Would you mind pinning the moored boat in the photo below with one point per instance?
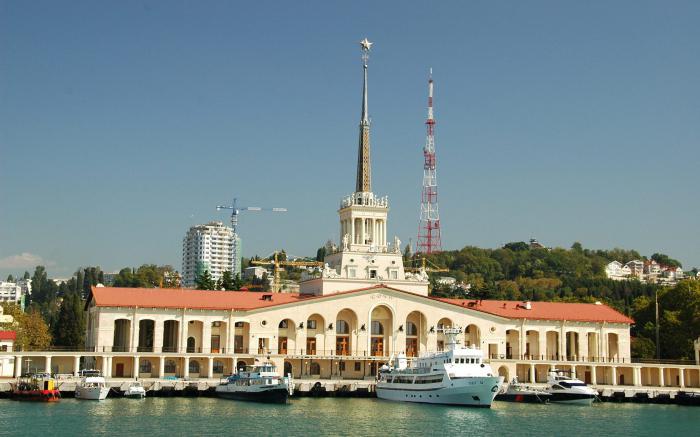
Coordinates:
(39, 388)
(257, 383)
(135, 391)
(518, 392)
(92, 386)
(457, 376)
(565, 388)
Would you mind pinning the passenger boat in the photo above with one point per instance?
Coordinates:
(257, 383)
(457, 376)
(135, 391)
(92, 386)
(517, 392)
(39, 388)
(565, 388)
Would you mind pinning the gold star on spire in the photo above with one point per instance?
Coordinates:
(366, 45)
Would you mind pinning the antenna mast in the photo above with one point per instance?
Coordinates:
(429, 226)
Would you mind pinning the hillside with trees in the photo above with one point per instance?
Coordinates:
(518, 271)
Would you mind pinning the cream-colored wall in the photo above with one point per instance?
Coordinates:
(264, 323)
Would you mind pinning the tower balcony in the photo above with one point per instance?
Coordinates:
(365, 199)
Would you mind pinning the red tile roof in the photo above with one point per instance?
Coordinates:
(576, 312)
(248, 300)
(8, 335)
(186, 298)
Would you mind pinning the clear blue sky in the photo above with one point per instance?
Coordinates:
(124, 123)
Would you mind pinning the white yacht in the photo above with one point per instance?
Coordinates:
(92, 386)
(457, 376)
(564, 388)
(257, 383)
(135, 391)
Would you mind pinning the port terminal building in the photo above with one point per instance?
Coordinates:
(360, 310)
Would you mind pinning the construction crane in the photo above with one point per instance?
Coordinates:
(236, 251)
(433, 269)
(278, 266)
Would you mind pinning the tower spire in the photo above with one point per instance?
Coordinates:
(429, 240)
(364, 167)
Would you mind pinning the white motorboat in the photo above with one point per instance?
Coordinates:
(257, 383)
(135, 391)
(564, 388)
(92, 386)
(457, 376)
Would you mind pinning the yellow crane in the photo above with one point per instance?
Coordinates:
(278, 266)
(433, 268)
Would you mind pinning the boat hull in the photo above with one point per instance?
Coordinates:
(472, 392)
(91, 393)
(135, 395)
(573, 398)
(274, 396)
(37, 395)
(525, 398)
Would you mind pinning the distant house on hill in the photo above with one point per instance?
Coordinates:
(617, 271)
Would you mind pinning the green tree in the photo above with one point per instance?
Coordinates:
(237, 282)
(69, 330)
(26, 275)
(321, 253)
(665, 260)
(205, 281)
(10, 278)
(226, 282)
(32, 331)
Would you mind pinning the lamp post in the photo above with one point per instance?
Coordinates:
(656, 305)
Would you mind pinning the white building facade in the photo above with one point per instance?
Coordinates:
(206, 247)
(15, 292)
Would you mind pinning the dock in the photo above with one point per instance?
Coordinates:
(315, 387)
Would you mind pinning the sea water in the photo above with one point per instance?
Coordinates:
(339, 416)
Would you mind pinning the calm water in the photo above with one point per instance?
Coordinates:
(327, 416)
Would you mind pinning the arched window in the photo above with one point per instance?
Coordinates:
(342, 327)
(169, 366)
(377, 328)
(241, 365)
(411, 328)
(314, 369)
(218, 366)
(283, 324)
(145, 366)
(287, 367)
(194, 366)
(190, 344)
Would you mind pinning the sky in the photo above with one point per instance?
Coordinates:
(124, 123)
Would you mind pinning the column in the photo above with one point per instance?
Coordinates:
(181, 343)
(105, 363)
(158, 336)
(210, 372)
(108, 373)
(206, 337)
(661, 377)
(533, 373)
(637, 376)
(594, 379)
(613, 370)
(135, 368)
(230, 331)
(18, 367)
(583, 346)
(186, 370)
(681, 377)
(542, 340)
(47, 368)
(76, 365)
(573, 371)
(134, 333)
(161, 368)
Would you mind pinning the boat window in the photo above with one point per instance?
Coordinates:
(557, 387)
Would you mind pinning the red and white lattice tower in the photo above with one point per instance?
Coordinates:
(429, 226)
